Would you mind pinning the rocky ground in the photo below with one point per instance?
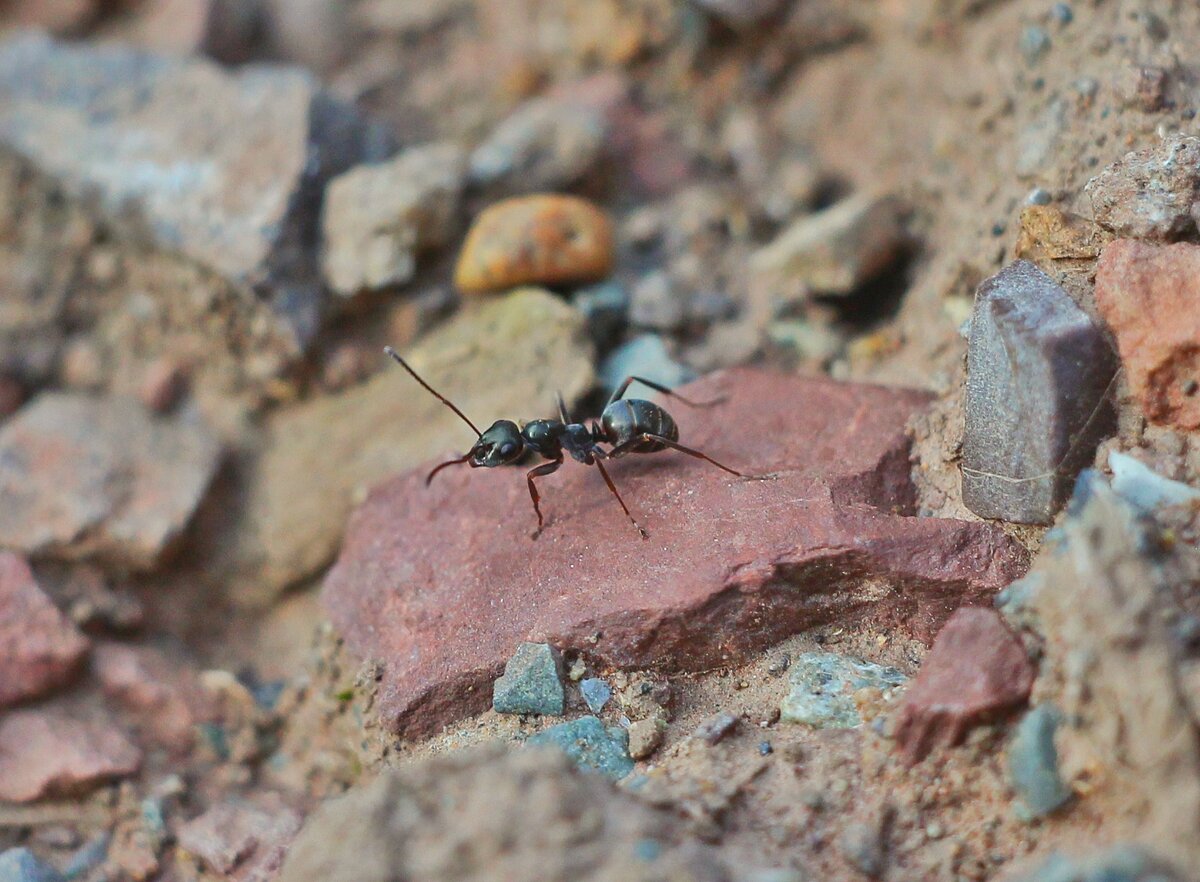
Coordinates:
(932, 265)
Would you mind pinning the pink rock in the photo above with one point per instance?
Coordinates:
(1148, 295)
(162, 384)
(241, 841)
(39, 649)
(441, 583)
(48, 752)
(166, 698)
(976, 671)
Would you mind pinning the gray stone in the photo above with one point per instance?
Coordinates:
(545, 144)
(596, 693)
(1152, 193)
(379, 218)
(1144, 488)
(1119, 863)
(1033, 763)
(224, 168)
(21, 865)
(644, 356)
(590, 745)
(823, 686)
(531, 683)
(104, 478)
(656, 304)
(1038, 373)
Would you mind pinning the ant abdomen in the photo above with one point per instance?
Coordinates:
(624, 420)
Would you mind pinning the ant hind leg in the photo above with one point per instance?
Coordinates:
(659, 387)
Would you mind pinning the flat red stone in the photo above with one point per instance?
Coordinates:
(440, 584)
(976, 671)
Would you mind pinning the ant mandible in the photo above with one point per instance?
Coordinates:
(627, 425)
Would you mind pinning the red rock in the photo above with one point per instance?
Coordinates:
(441, 583)
(166, 698)
(39, 649)
(47, 752)
(241, 841)
(977, 671)
(1149, 296)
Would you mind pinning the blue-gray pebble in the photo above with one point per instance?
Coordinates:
(1033, 763)
(590, 745)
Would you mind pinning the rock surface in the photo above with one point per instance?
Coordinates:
(39, 649)
(590, 745)
(88, 477)
(378, 219)
(240, 841)
(1038, 373)
(1152, 193)
(504, 357)
(976, 671)
(531, 682)
(164, 697)
(484, 815)
(1147, 294)
(47, 751)
(732, 565)
(823, 687)
(535, 240)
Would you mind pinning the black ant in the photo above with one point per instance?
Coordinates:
(627, 425)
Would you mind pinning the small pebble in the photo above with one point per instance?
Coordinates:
(531, 682)
(764, 748)
(1062, 13)
(1034, 43)
(715, 728)
(645, 736)
(1033, 763)
(591, 745)
(596, 693)
(1038, 196)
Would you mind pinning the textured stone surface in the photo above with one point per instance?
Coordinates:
(39, 649)
(976, 671)
(377, 219)
(241, 841)
(1033, 763)
(48, 751)
(1119, 863)
(731, 565)
(535, 240)
(503, 357)
(1144, 488)
(590, 745)
(1038, 373)
(89, 477)
(486, 815)
(531, 683)
(1148, 296)
(1152, 193)
(823, 686)
(138, 132)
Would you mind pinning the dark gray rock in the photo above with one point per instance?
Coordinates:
(590, 745)
(1038, 373)
(20, 865)
(531, 683)
(1033, 763)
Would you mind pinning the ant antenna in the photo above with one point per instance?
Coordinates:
(459, 461)
(439, 396)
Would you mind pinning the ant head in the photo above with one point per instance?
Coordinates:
(500, 444)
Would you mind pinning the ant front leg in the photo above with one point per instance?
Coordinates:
(544, 469)
(613, 487)
(674, 445)
(658, 387)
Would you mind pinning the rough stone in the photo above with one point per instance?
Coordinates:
(1049, 233)
(21, 865)
(241, 841)
(596, 693)
(824, 685)
(321, 454)
(379, 218)
(1033, 763)
(1118, 863)
(834, 251)
(484, 815)
(531, 683)
(1147, 294)
(645, 736)
(1152, 193)
(48, 751)
(1145, 489)
(590, 745)
(715, 728)
(123, 127)
(535, 240)
(87, 477)
(720, 577)
(39, 649)
(976, 671)
(545, 144)
(1038, 375)
(643, 356)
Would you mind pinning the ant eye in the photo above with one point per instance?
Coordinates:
(507, 449)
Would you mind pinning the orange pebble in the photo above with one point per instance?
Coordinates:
(545, 239)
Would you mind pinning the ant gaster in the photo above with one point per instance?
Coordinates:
(627, 425)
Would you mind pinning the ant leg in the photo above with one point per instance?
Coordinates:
(621, 449)
(624, 507)
(658, 387)
(544, 469)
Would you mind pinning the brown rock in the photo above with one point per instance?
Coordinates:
(544, 239)
(1150, 297)
(1049, 233)
(47, 752)
(241, 841)
(976, 671)
(39, 649)
(731, 566)
(1152, 193)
